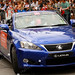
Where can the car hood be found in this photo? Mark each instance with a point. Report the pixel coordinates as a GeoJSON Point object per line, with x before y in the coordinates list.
{"type": "Point", "coordinates": [48, 35]}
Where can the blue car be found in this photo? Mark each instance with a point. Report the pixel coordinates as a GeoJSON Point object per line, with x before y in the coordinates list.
{"type": "Point", "coordinates": [37, 39]}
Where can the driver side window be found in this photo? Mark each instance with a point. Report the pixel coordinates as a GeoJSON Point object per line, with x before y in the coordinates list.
{"type": "Point", "coordinates": [9, 22]}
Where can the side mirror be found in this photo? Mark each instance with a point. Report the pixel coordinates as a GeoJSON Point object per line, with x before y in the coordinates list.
{"type": "Point", "coordinates": [4, 27]}
{"type": "Point", "coordinates": [72, 22]}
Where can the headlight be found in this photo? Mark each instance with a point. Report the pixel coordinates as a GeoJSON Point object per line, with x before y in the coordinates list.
{"type": "Point", "coordinates": [73, 42]}
{"type": "Point", "coordinates": [28, 45]}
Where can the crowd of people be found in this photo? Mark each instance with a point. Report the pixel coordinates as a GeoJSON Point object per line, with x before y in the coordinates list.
{"type": "Point", "coordinates": [66, 7]}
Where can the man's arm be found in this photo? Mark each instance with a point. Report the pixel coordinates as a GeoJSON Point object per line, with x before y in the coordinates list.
{"type": "Point", "coordinates": [66, 8]}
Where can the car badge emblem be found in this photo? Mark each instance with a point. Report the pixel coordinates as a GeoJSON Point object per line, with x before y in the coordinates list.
{"type": "Point", "coordinates": [59, 47]}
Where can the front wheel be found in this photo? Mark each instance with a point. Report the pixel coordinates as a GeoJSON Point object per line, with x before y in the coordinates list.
{"type": "Point", "coordinates": [14, 61]}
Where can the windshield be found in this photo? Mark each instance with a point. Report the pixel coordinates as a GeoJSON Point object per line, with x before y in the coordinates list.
{"type": "Point", "coordinates": [39, 19]}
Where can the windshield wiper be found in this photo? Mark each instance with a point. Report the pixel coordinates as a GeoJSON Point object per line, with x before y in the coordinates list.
{"type": "Point", "coordinates": [60, 25]}
{"type": "Point", "coordinates": [35, 26]}
{"type": "Point", "coordinates": [46, 26]}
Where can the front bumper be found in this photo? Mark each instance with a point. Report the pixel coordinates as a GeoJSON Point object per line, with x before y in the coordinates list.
{"type": "Point", "coordinates": [37, 58]}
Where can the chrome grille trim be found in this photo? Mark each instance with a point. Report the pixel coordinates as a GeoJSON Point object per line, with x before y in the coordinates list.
{"type": "Point", "coordinates": [73, 43]}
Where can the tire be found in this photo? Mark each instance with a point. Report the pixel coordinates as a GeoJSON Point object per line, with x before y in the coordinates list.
{"type": "Point", "coordinates": [14, 61]}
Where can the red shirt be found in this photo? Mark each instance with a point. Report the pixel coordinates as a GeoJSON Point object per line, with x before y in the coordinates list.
{"type": "Point", "coordinates": [44, 8]}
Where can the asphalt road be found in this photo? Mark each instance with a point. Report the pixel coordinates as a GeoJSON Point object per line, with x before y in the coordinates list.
{"type": "Point", "coordinates": [6, 69]}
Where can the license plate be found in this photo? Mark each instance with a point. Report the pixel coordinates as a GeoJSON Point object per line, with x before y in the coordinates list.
{"type": "Point", "coordinates": [60, 55]}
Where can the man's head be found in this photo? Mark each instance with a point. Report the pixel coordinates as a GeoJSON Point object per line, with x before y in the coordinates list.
{"type": "Point", "coordinates": [4, 2]}
{"type": "Point", "coordinates": [63, 1]}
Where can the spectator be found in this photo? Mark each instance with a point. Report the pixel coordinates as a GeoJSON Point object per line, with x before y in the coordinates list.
{"type": "Point", "coordinates": [35, 4]}
{"type": "Point", "coordinates": [2, 9]}
{"type": "Point", "coordinates": [52, 6]}
{"type": "Point", "coordinates": [59, 4]}
{"type": "Point", "coordinates": [73, 6]}
{"type": "Point", "coordinates": [9, 11]}
{"type": "Point", "coordinates": [56, 4]}
{"type": "Point", "coordinates": [18, 5]}
{"type": "Point", "coordinates": [6, 6]}
{"type": "Point", "coordinates": [3, 6]}
{"type": "Point", "coordinates": [41, 4]}
{"type": "Point", "coordinates": [44, 7]}
{"type": "Point", "coordinates": [65, 8]}
{"type": "Point", "coordinates": [14, 5]}
{"type": "Point", "coordinates": [0, 4]}
{"type": "Point", "coordinates": [26, 6]}
{"type": "Point", "coordinates": [48, 5]}
{"type": "Point", "coordinates": [0, 12]}
{"type": "Point", "coordinates": [33, 8]}
{"type": "Point", "coordinates": [21, 8]}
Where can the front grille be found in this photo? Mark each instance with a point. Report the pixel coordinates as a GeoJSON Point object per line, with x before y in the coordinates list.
{"type": "Point", "coordinates": [59, 47]}
{"type": "Point", "coordinates": [59, 61]}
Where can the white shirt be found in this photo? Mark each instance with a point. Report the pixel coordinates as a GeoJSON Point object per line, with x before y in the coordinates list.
{"type": "Point", "coordinates": [4, 7]}
{"type": "Point", "coordinates": [35, 4]}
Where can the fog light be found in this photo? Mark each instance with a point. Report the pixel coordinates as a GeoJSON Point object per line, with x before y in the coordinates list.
{"type": "Point", "coordinates": [25, 60]}
{"type": "Point", "coordinates": [39, 60]}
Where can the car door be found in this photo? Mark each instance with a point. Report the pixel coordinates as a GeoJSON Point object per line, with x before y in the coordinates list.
{"type": "Point", "coordinates": [5, 40]}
